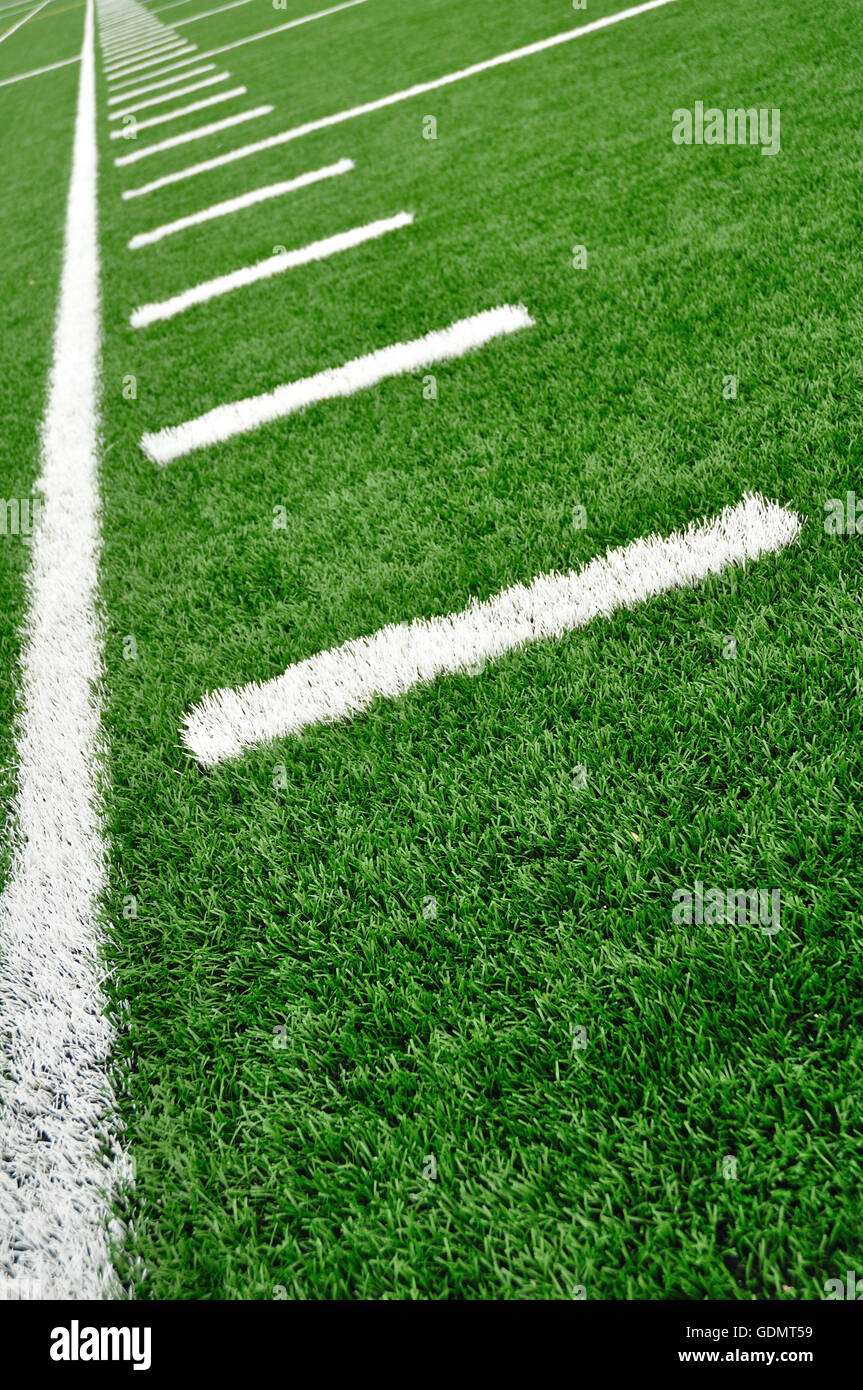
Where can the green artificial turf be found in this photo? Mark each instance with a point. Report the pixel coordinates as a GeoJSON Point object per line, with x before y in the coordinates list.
{"type": "Point", "coordinates": [345, 954]}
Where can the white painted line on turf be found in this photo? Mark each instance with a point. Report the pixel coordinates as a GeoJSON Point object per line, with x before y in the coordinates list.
{"type": "Point", "coordinates": [159, 72]}
{"type": "Point", "coordinates": [239, 417]}
{"type": "Point", "coordinates": [199, 133]}
{"type": "Point", "coordinates": [204, 104]}
{"type": "Point", "coordinates": [178, 48]}
{"type": "Point", "coordinates": [273, 265]}
{"type": "Point", "coordinates": [245, 200]}
{"type": "Point", "coordinates": [110, 50]}
{"type": "Point", "coordinates": [341, 683]}
{"type": "Point", "coordinates": [175, 4]}
{"type": "Point", "coordinates": [234, 5]}
{"type": "Point", "coordinates": [165, 82]}
{"type": "Point", "coordinates": [118, 74]}
{"type": "Point", "coordinates": [163, 49]}
{"type": "Point", "coordinates": [60, 1158]}
{"type": "Point", "coordinates": [23, 20]}
{"type": "Point", "coordinates": [168, 96]}
{"type": "Point", "coordinates": [421, 88]}
{"type": "Point", "coordinates": [37, 72]}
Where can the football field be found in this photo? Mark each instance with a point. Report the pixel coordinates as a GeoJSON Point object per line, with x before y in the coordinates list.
{"type": "Point", "coordinates": [430, 649]}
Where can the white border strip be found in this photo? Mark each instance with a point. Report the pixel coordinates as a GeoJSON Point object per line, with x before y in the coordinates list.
{"type": "Point", "coordinates": [245, 200]}
{"type": "Point", "coordinates": [56, 1104]}
{"type": "Point", "coordinates": [238, 417]}
{"type": "Point", "coordinates": [341, 683]}
{"type": "Point", "coordinates": [262, 270]}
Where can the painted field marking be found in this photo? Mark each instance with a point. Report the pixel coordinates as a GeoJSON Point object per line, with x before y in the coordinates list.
{"type": "Point", "coordinates": [163, 49]}
{"type": "Point", "coordinates": [37, 72]}
{"type": "Point", "coordinates": [245, 200]}
{"type": "Point", "coordinates": [192, 19]}
{"type": "Point", "coordinates": [341, 683]}
{"type": "Point", "coordinates": [159, 72]}
{"type": "Point", "coordinates": [165, 82]}
{"type": "Point", "coordinates": [168, 96]}
{"type": "Point", "coordinates": [204, 104]}
{"type": "Point", "coordinates": [173, 6]}
{"type": "Point", "coordinates": [119, 73]}
{"type": "Point", "coordinates": [262, 270]}
{"type": "Point", "coordinates": [60, 1155]}
{"type": "Point", "coordinates": [240, 417]}
{"type": "Point", "coordinates": [111, 51]}
{"type": "Point", "coordinates": [199, 133]}
{"type": "Point", "coordinates": [420, 88]}
{"type": "Point", "coordinates": [23, 20]}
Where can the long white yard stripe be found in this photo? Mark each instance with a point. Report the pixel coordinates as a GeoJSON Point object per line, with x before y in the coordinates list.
{"type": "Point", "coordinates": [273, 265]}
{"type": "Point", "coordinates": [234, 5]}
{"type": "Point", "coordinates": [60, 1159]}
{"type": "Point", "coordinates": [238, 417]}
{"type": "Point", "coordinates": [116, 74]}
{"type": "Point", "coordinates": [189, 110]}
{"type": "Point", "coordinates": [342, 682]}
{"type": "Point", "coordinates": [245, 200]}
{"type": "Point", "coordinates": [199, 133]}
{"type": "Point", "coordinates": [168, 96]}
{"type": "Point", "coordinates": [37, 72]}
{"type": "Point", "coordinates": [23, 20]}
{"type": "Point", "coordinates": [420, 88]}
{"type": "Point", "coordinates": [178, 48]}
{"type": "Point", "coordinates": [165, 82]}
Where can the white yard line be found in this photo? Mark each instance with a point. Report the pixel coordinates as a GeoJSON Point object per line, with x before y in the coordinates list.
{"type": "Point", "coordinates": [168, 96]}
{"type": "Point", "coordinates": [173, 6]}
{"type": "Point", "coordinates": [192, 19]}
{"type": "Point", "coordinates": [420, 88]}
{"type": "Point", "coordinates": [204, 104]}
{"type": "Point", "coordinates": [262, 270]}
{"type": "Point", "coordinates": [245, 200]}
{"type": "Point", "coordinates": [342, 682]}
{"type": "Point", "coordinates": [284, 137]}
{"type": "Point", "coordinates": [165, 82]}
{"type": "Point", "coordinates": [37, 72]}
{"type": "Point", "coordinates": [239, 417]}
{"type": "Point", "coordinates": [121, 57]}
{"type": "Point", "coordinates": [199, 133]}
{"type": "Point", "coordinates": [23, 20]}
{"type": "Point", "coordinates": [159, 72]}
{"type": "Point", "coordinates": [57, 1182]}
{"type": "Point", "coordinates": [124, 71]}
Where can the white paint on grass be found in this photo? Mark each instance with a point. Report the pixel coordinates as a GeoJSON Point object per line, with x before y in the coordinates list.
{"type": "Point", "coordinates": [239, 417]}
{"type": "Point", "coordinates": [203, 105]}
{"type": "Point", "coordinates": [157, 72]}
{"type": "Point", "coordinates": [125, 69]}
{"type": "Point", "coordinates": [37, 72]}
{"type": "Point", "coordinates": [168, 96]}
{"type": "Point", "coordinates": [199, 133]}
{"type": "Point", "coordinates": [163, 49]}
{"type": "Point", "coordinates": [165, 82]}
{"type": "Point", "coordinates": [23, 20]}
{"type": "Point", "coordinates": [262, 270]}
{"type": "Point", "coordinates": [192, 19]}
{"type": "Point", "coordinates": [60, 1158]}
{"type": "Point", "coordinates": [245, 200]}
{"type": "Point", "coordinates": [342, 682]}
{"type": "Point", "coordinates": [420, 88]}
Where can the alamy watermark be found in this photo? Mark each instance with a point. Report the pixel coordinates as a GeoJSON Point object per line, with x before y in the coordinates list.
{"type": "Point", "coordinates": [736, 906]}
{"type": "Point", "coordinates": [19, 516]}
{"type": "Point", "coordinates": [738, 126]}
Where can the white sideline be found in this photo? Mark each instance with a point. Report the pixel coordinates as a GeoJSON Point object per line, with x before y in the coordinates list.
{"type": "Point", "coordinates": [56, 1105]}
{"type": "Point", "coordinates": [37, 72]}
{"type": "Point", "coordinates": [420, 88]}
{"type": "Point", "coordinates": [262, 270]}
{"type": "Point", "coordinates": [165, 82]}
{"type": "Point", "coordinates": [342, 682]}
{"type": "Point", "coordinates": [245, 200]}
{"type": "Point", "coordinates": [199, 133]}
{"type": "Point", "coordinates": [168, 96]}
{"type": "Point", "coordinates": [238, 417]}
{"type": "Point", "coordinates": [23, 20]}
{"type": "Point", "coordinates": [234, 5]}
{"type": "Point", "coordinates": [204, 104]}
